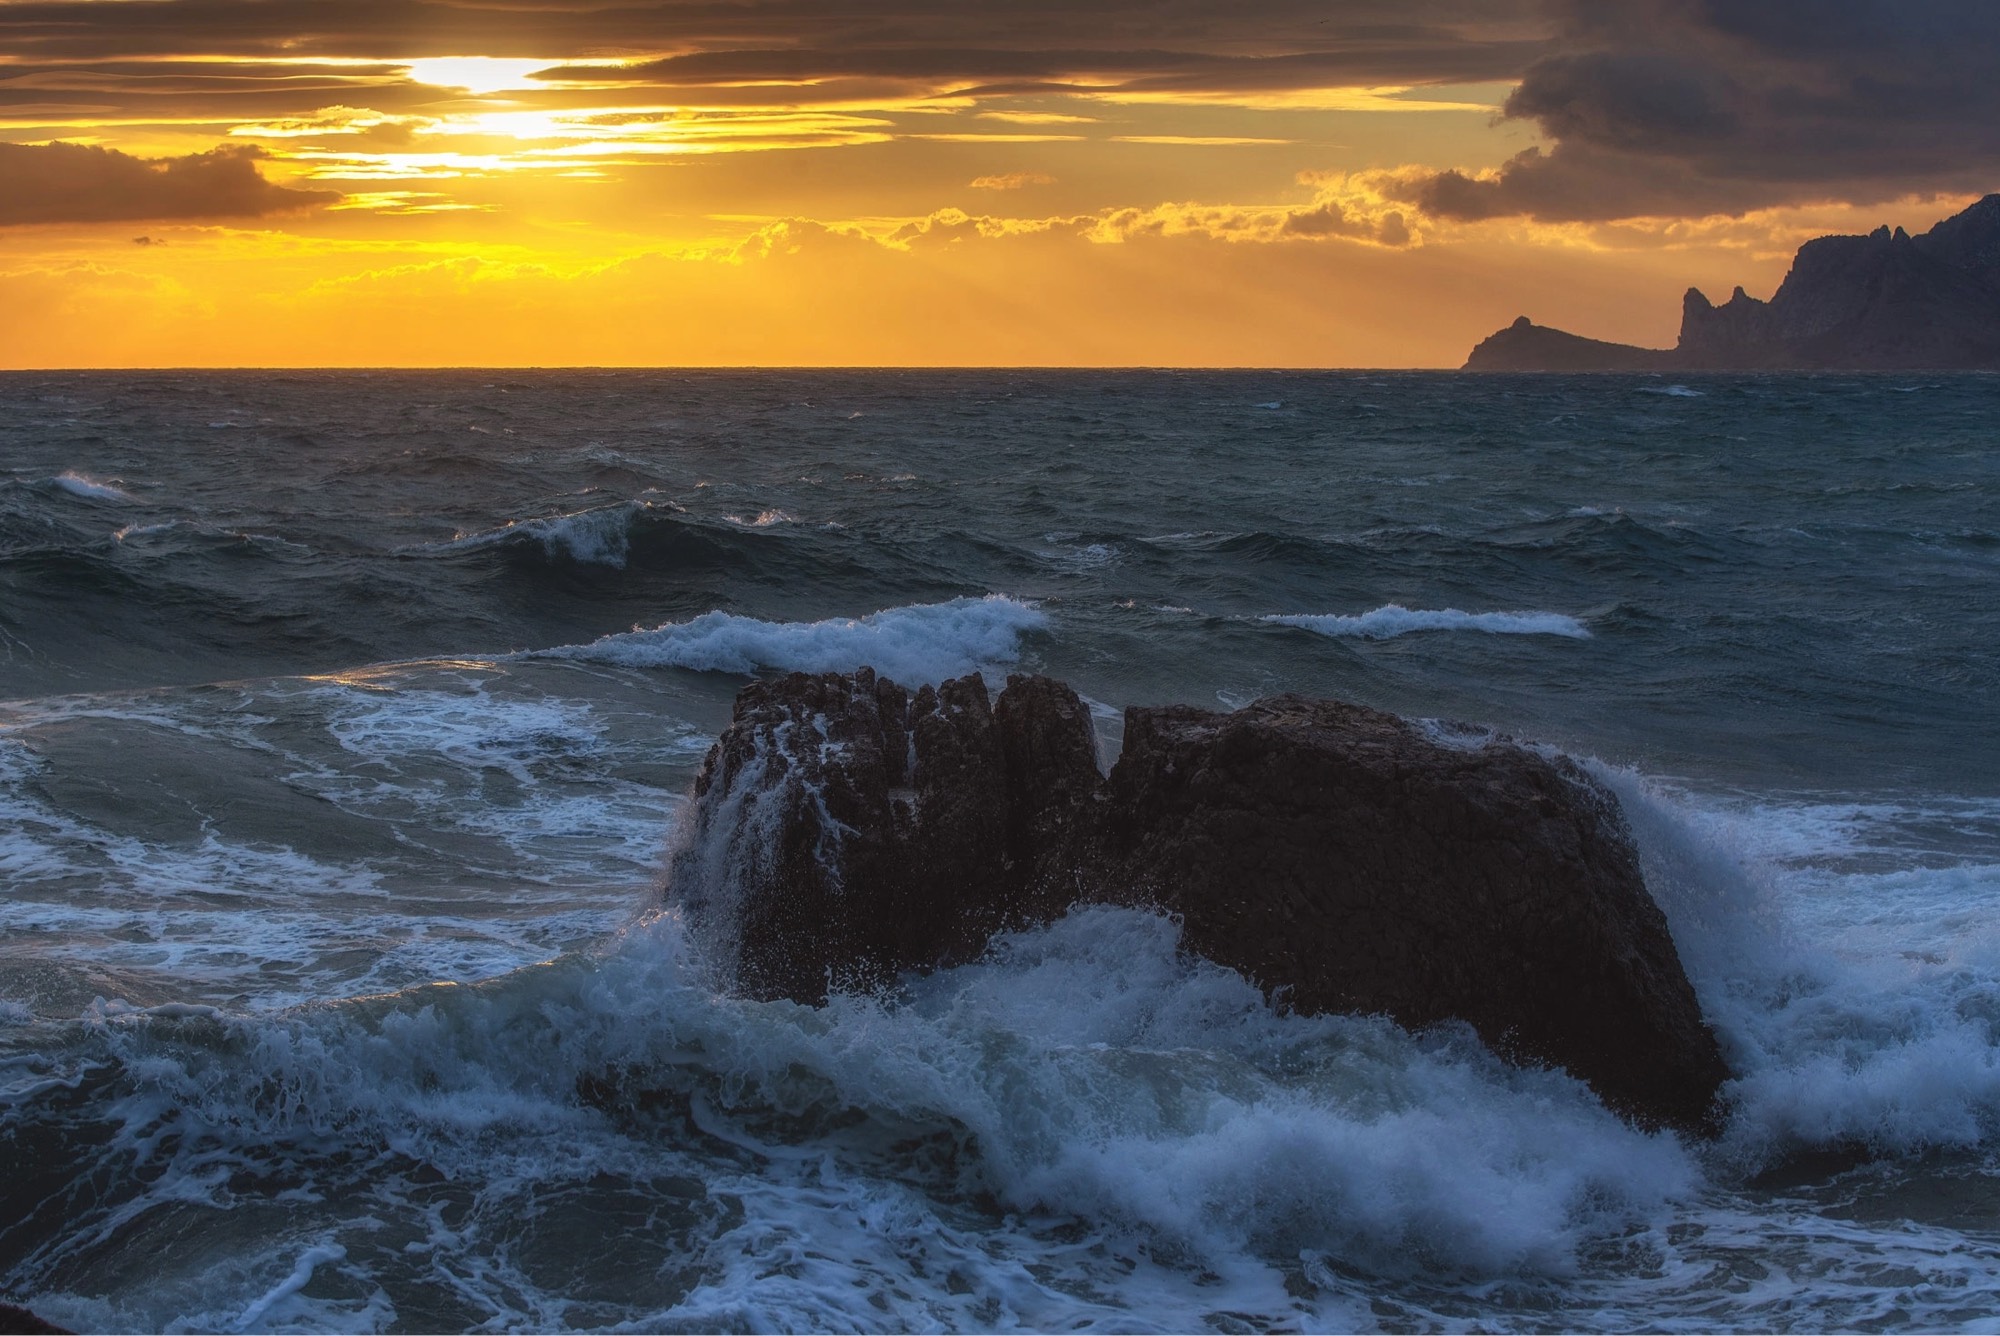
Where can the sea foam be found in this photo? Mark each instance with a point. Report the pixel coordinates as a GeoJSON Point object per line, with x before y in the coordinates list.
{"type": "Point", "coordinates": [79, 484]}
{"type": "Point", "coordinates": [1856, 1007]}
{"type": "Point", "coordinates": [1087, 1073]}
{"type": "Point", "coordinates": [925, 642]}
{"type": "Point", "coordinates": [1393, 619]}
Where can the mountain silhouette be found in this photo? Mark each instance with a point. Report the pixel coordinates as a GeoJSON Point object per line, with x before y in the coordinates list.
{"type": "Point", "coordinates": [1886, 301]}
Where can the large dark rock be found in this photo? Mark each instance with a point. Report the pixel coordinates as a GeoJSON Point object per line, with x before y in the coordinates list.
{"type": "Point", "coordinates": [1347, 860]}
{"type": "Point", "coordinates": [843, 832]}
{"type": "Point", "coordinates": [1357, 863]}
{"type": "Point", "coordinates": [1887, 301]}
{"type": "Point", "coordinates": [18, 1321]}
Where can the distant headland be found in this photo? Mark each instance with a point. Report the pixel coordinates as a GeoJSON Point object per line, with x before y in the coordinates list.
{"type": "Point", "coordinates": [1887, 301]}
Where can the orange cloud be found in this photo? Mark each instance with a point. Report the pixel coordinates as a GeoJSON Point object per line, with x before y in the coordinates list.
{"type": "Point", "coordinates": [1011, 181]}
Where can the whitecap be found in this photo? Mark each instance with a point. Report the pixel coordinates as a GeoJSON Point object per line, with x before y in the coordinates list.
{"type": "Point", "coordinates": [599, 536]}
{"type": "Point", "coordinates": [764, 519]}
{"type": "Point", "coordinates": [145, 530]}
{"type": "Point", "coordinates": [1393, 619]}
{"type": "Point", "coordinates": [81, 484]}
{"type": "Point", "coordinates": [925, 642]}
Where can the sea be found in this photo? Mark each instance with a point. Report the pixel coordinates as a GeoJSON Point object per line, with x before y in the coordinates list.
{"type": "Point", "coordinates": [346, 719]}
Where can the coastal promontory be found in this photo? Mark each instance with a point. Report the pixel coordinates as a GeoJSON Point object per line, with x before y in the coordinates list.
{"type": "Point", "coordinates": [1887, 301]}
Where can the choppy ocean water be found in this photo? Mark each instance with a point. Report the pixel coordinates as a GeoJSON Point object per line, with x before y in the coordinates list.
{"type": "Point", "coordinates": [344, 718]}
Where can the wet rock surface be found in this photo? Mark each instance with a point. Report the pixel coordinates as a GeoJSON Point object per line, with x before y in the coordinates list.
{"type": "Point", "coordinates": [844, 832]}
{"type": "Point", "coordinates": [17, 1320]}
{"type": "Point", "coordinates": [1357, 863]}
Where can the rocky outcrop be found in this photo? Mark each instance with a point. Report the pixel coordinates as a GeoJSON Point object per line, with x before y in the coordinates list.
{"type": "Point", "coordinates": [1359, 864]}
{"type": "Point", "coordinates": [14, 1319]}
{"type": "Point", "coordinates": [844, 832]}
{"type": "Point", "coordinates": [1527, 346]}
{"type": "Point", "coordinates": [1887, 301]}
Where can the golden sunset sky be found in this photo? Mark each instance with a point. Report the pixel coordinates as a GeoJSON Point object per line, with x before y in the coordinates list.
{"type": "Point", "coordinates": [891, 182]}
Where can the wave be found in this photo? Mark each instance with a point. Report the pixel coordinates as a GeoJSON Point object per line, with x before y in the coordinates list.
{"type": "Point", "coordinates": [1256, 545]}
{"type": "Point", "coordinates": [922, 1163]}
{"type": "Point", "coordinates": [407, 755]}
{"type": "Point", "coordinates": [191, 537]}
{"type": "Point", "coordinates": [1393, 619]}
{"type": "Point", "coordinates": [1857, 1007]}
{"type": "Point", "coordinates": [763, 519]}
{"type": "Point", "coordinates": [1085, 1124]}
{"type": "Point", "coordinates": [924, 642]}
{"type": "Point", "coordinates": [79, 484]}
{"type": "Point", "coordinates": [599, 535]}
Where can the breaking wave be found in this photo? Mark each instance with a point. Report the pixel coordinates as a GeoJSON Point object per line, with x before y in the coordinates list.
{"type": "Point", "coordinates": [600, 535]}
{"type": "Point", "coordinates": [80, 484]}
{"type": "Point", "coordinates": [925, 642]}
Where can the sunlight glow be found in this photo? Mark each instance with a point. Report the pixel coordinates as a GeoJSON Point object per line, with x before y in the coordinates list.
{"type": "Point", "coordinates": [478, 74]}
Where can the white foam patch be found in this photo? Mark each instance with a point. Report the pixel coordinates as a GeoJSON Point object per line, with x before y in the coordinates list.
{"type": "Point", "coordinates": [924, 642]}
{"type": "Point", "coordinates": [80, 484]}
{"type": "Point", "coordinates": [145, 530]}
{"type": "Point", "coordinates": [1162, 1146]}
{"type": "Point", "coordinates": [563, 838]}
{"type": "Point", "coordinates": [1084, 1130]}
{"type": "Point", "coordinates": [1855, 1006]}
{"type": "Point", "coordinates": [1080, 557]}
{"type": "Point", "coordinates": [471, 728]}
{"type": "Point", "coordinates": [1393, 619]}
{"type": "Point", "coordinates": [1379, 1143]}
{"type": "Point", "coordinates": [763, 519]}
{"type": "Point", "coordinates": [423, 756]}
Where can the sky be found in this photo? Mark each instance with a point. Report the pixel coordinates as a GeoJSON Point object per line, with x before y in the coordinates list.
{"type": "Point", "coordinates": [945, 182]}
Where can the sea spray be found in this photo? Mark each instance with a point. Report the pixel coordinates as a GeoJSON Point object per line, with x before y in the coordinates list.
{"type": "Point", "coordinates": [1873, 1030]}
{"type": "Point", "coordinates": [216, 796]}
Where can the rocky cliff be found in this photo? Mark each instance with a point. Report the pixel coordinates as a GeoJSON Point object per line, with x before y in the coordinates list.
{"type": "Point", "coordinates": [1887, 301]}
{"type": "Point", "coordinates": [844, 832]}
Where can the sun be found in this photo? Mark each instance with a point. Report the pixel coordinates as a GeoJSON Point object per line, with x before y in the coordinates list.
{"type": "Point", "coordinates": [476, 74]}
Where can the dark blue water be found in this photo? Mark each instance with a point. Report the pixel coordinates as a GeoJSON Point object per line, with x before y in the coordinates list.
{"type": "Point", "coordinates": [343, 720]}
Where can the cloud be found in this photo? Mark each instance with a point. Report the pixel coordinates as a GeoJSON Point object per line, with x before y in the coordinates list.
{"type": "Point", "coordinates": [271, 60]}
{"type": "Point", "coordinates": [1685, 107]}
{"type": "Point", "coordinates": [1342, 208]}
{"type": "Point", "coordinates": [80, 183]}
{"type": "Point", "coordinates": [1002, 59]}
{"type": "Point", "coordinates": [1011, 181]}
{"type": "Point", "coordinates": [1339, 210]}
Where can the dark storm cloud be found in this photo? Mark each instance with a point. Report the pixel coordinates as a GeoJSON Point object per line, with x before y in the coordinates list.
{"type": "Point", "coordinates": [1144, 45]}
{"type": "Point", "coordinates": [392, 29]}
{"type": "Point", "coordinates": [224, 93]}
{"type": "Point", "coordinates": [1698, 106]}
{"type": "Point", "coordinates": [1345, 61]}
{"type": "Point", "coordinates": [79, 183]}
